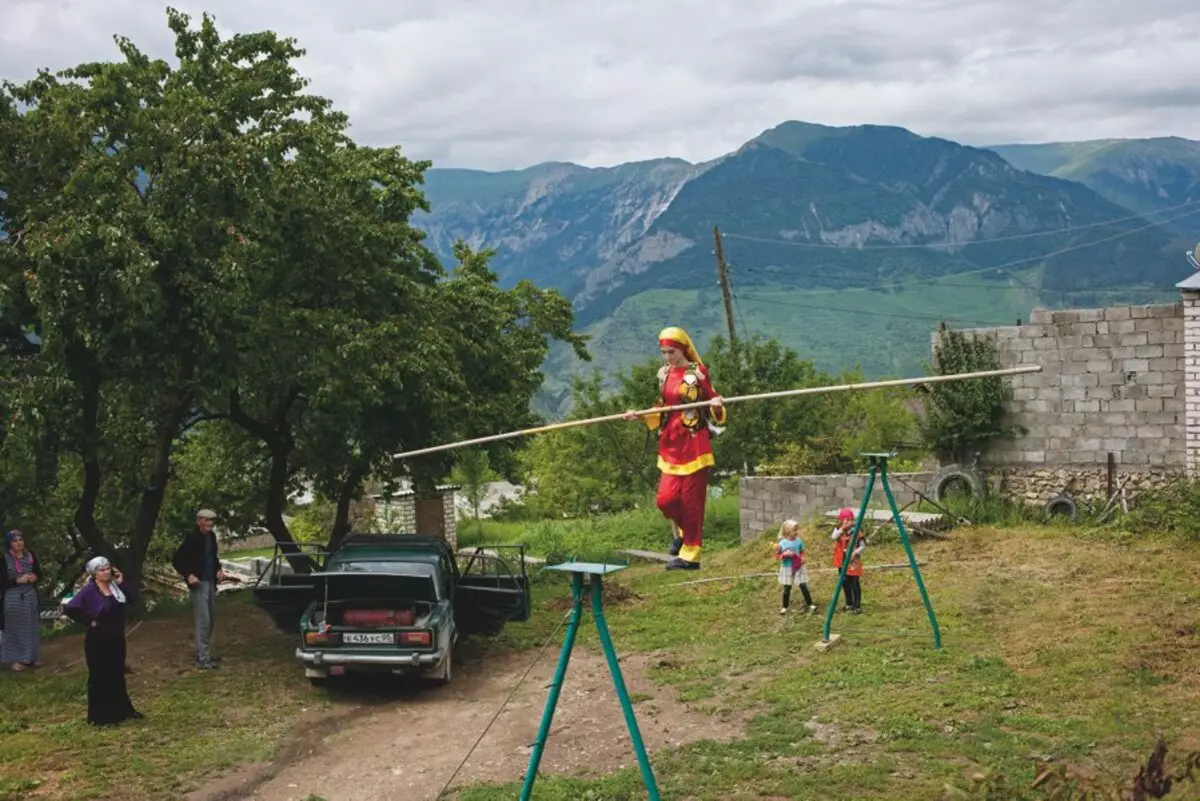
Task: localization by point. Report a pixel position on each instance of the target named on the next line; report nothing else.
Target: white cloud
(507, 83)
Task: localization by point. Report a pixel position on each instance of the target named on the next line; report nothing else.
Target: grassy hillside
(1051, 655)
(1056, 649)
(885, 330)
(1145, 175)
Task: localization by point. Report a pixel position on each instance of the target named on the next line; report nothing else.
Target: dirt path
(407, 742)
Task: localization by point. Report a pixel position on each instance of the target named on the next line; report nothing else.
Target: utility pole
(723, 275)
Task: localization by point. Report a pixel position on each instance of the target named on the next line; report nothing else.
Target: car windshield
(412, 580)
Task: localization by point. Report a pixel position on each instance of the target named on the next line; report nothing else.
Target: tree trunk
(85, 507)
(349, 490)
(277, 436)
(155, 491)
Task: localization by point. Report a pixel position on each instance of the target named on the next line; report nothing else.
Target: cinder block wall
(1112, 381)
(766, 501)
(1123, 380)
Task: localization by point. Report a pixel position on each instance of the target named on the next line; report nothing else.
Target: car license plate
(369, 638)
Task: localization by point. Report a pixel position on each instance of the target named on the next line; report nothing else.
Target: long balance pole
(784, 393)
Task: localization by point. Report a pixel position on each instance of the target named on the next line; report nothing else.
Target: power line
(1010, 238)
(763, 272)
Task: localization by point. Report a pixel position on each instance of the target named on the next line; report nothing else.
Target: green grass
(642, 529)
(1059, 644)
(1052, 650)
(197, 723)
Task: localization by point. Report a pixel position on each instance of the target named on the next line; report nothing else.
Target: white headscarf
(95, 565)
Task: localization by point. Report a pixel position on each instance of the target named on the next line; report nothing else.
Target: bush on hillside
(1171, 509)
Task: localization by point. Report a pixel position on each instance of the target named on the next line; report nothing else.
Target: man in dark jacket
(198, 561)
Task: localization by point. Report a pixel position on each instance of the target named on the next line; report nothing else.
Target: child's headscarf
(94, 566)
(10, 536)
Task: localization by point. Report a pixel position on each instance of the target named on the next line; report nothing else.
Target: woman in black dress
(100, 606)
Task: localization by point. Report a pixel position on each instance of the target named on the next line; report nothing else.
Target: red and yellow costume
(684, 448)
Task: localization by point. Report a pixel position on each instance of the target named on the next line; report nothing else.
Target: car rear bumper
(414, 660)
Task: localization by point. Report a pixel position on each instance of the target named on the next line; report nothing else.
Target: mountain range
(849, 244)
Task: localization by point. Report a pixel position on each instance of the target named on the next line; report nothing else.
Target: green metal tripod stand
(596, 571)
(878, 465)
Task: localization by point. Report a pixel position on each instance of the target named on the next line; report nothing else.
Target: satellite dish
(1193, 256)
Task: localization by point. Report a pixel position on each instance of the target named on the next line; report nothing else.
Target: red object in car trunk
(379, 617)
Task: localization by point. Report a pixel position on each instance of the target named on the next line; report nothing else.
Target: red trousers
(681, 500)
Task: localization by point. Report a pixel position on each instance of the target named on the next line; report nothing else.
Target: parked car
(393, 603)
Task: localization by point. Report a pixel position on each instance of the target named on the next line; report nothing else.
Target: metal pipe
(784, 393)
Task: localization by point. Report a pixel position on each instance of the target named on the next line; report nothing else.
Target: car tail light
(416, 637)
(321, 638)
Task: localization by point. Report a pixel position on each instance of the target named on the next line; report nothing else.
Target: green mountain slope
(1145, 175)
(862, 205)
(848, 243)
(884, 330)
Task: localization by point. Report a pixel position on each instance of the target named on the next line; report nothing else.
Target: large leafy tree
(203, 242)
(760, 430)
(598, 468)
(127, 186)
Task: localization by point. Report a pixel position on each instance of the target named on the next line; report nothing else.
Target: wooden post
(723, 277)
(1112, 475)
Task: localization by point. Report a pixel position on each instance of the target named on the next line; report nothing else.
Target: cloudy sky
(498, 84)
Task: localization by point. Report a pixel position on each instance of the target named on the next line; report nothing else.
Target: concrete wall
(1191, 371)
(766, 501)
(1112, 381)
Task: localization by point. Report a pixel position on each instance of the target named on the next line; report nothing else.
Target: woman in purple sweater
(100, 606)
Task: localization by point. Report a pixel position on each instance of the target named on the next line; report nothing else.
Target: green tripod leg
(614, 668)
(912, 557)
(560, 673)
(862, 513)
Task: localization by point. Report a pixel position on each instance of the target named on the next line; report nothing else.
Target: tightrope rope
(537, 657)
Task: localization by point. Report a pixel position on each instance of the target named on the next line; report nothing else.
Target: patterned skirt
(786, 576)
(20, 643)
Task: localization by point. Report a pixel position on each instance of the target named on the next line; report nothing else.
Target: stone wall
(1112, 381)
(766, 501)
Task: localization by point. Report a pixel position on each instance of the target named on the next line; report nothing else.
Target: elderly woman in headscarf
(19, 619)
(100, 605)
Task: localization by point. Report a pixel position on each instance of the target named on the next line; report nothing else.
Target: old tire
(1062, 506)
(955, 479)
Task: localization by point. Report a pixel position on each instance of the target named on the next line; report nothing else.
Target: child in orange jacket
(841, 534)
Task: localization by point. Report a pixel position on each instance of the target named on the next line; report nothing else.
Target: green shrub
(1171, 509)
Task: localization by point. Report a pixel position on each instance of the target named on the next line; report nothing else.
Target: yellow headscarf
(677, 337)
